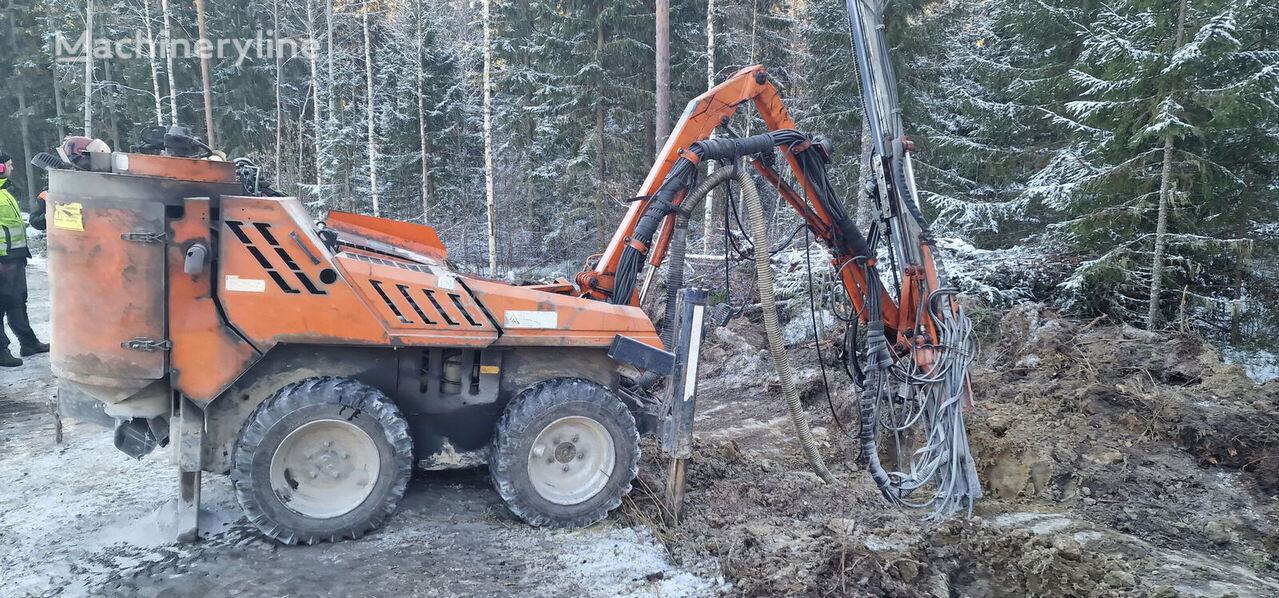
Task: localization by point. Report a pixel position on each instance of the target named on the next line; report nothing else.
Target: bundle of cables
(930, 403)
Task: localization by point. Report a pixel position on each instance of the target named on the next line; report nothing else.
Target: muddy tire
(564, 453)
(324, 459)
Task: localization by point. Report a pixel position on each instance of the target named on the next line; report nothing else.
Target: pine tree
(1159, 86)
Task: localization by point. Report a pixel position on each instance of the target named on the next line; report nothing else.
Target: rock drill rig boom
(917, 338)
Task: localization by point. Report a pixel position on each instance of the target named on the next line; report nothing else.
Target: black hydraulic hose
(903, 192)
(849, 239)
(675, 272)
(674, 280)
(878, 361)
(680, 177)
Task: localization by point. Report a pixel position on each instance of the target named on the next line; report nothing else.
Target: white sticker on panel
(245, 285)
(532, 319)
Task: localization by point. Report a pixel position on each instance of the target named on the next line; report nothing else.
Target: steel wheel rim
(571, 460)
(325, 468)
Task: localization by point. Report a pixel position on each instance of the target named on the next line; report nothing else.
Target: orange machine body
(168, 283)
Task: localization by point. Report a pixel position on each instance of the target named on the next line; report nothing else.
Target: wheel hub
(325, 468)
(571, 460)
(565, 452)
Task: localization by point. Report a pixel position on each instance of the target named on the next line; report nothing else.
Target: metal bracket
(147, 344)
(676, 430)
(146, 237)
(645, 357)
(681, 393)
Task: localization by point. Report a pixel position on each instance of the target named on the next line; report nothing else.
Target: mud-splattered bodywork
(168, 284)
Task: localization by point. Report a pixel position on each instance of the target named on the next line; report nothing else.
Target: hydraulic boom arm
(914, 364)
(646, 229)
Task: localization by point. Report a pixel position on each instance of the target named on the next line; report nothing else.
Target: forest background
(1116, 158)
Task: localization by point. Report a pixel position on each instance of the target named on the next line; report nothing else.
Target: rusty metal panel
(530, 317)
(107, 288)
(418, 305)
(185, 169)
(207, 355)
(277, 283)
(404, 238)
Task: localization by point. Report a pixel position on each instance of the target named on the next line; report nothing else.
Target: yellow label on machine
(489, 369)
(68, 216)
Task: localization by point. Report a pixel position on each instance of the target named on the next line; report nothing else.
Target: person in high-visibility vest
(13, 274)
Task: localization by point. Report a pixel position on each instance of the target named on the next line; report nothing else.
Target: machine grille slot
(404, 290)
(457, 300)
(439, 308)
(279, 281)
(297, 271)
(264, 229)
(377, 260)
(238, 232)
(262, 261)
(377, 286)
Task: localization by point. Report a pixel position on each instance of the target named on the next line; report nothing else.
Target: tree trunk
(1166, 187)
(57, 106)
(489, 195)
(708, 228)
(663, 73)
(168, 58)
(23, 125)
(328, 23)
(754, 25)
(279, 107)
(368, 105)
(316, 114)
(25, 131)
(88, 68)
(1242, 254)
(151, 63)
(864, 173)
(113, 130)
(601, 190)
(423, 152)
(211, 134)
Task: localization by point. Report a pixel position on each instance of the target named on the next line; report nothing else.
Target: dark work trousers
(13, 303)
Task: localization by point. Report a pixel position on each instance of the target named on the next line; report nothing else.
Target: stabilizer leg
(188, 448)
(677, 433)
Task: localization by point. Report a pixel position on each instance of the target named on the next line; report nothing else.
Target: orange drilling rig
(318, 365)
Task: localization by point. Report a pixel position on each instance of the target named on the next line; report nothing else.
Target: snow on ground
(81, 518)
(71, 514)
(1261, 365)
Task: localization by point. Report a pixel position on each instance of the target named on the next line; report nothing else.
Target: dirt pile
(1116, 462)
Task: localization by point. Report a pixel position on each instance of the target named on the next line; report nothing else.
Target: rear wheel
(564, 453)
(324, 459)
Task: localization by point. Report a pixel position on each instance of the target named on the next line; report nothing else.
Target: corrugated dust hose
(768, 303)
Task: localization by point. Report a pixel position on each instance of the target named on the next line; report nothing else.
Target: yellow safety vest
(13, 230)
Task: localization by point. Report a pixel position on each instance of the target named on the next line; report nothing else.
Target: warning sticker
(245, 285)
(531, 319)
(489, 369)
(68, 216)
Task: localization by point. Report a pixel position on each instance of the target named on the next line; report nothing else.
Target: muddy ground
(1115, 463)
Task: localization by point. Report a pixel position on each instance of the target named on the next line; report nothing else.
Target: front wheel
(564, 453)
(324, 459)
